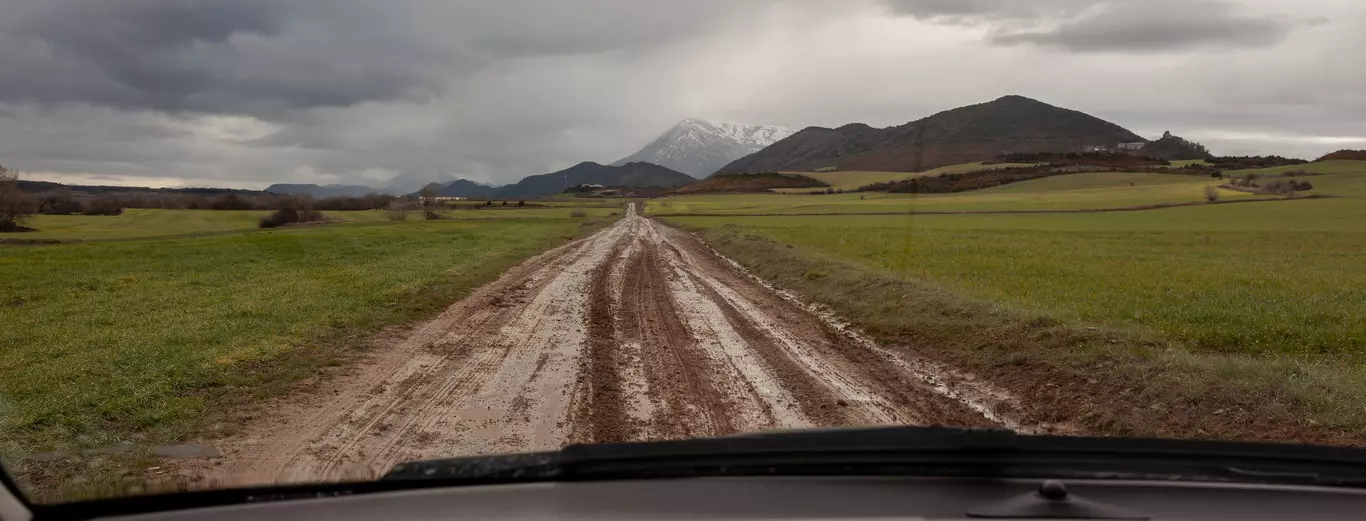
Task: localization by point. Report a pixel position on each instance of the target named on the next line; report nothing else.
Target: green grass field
(144, 341)
(1235, 321)
(1069, 192)
(1278, 277)
(852, 180)
(1269, 277)
(1336, 166)
(1188, 162)
(143, 223)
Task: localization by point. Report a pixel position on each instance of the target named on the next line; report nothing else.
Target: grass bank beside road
(135, 223)
(1225, 321)
(150, 341)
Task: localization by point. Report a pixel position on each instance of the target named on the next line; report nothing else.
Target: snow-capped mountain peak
(699, 147)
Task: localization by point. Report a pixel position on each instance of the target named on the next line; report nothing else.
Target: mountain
(1174, 148)
(962, 135)
(464, 188)
(588, 172)
(321, 191)
(403, 183)
(1353, 155)
(698, 148)
(407, 182)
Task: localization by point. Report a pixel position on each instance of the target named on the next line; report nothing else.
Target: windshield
(262, 242)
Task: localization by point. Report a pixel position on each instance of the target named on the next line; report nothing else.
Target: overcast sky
(245, 93)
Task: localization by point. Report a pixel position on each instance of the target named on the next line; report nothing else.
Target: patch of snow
(698, 147)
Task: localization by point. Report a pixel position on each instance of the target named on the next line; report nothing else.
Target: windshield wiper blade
(922, 451)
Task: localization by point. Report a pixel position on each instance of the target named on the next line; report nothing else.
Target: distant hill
(698, 148)
(590, 173)
(1174, 148)
(321, 191)
(963, 135)
(36, 187)
(762, 182)
(1351, 155)
(463, 188)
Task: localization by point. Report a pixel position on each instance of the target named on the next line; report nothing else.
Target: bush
(13, 206)
(578, 213)
(431, 215)
(399, 210)
(1211, 194)
(229, 202)
(105, 205)
(290, 215)
(59, 204)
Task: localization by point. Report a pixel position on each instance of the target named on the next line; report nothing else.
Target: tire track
(638, 332)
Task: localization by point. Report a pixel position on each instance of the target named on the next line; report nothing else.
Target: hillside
(698, 148)
(1175, 148)
(1351, 155)
(590, 173)
(1011, 124)
(464, 188)
(762, 182)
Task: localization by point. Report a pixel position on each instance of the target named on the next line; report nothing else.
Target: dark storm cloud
(1112, 25)
(262, 57)
(250, 92)
(243, 56)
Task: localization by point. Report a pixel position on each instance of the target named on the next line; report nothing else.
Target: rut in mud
(638, 332)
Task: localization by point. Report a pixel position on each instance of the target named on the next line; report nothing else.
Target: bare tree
(13, 207)
(399, 210)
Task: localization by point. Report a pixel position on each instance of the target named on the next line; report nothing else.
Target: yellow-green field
(143, 223)
(1240, 321)
(1336, 166)
(1282, 277)
(149, 340)
(852, 180)
(1069, 192)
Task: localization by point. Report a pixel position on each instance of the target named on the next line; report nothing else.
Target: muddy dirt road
(638, 332)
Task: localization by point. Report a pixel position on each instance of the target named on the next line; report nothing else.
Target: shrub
(431, 215)
(105, 205)
(229, 202)
(59, 204)
(399, 210)
(290, 215)
(1211, 194)
(13, 206)
(578, 213)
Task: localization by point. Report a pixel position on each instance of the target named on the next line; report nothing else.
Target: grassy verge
(139, 223)
(1182, 333)
(1069, 192)
(153, 341)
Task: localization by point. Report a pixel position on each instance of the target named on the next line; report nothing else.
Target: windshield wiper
(912, 451)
